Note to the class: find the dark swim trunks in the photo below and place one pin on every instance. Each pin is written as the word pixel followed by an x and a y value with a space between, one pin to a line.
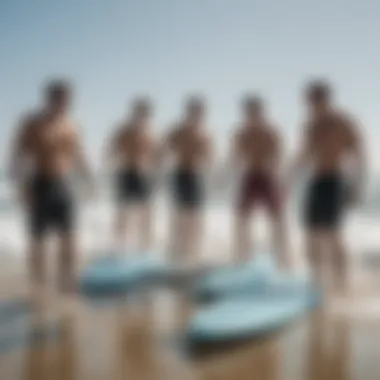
pixel 133 185
pixel 325 201
pixel 188 188
pixel 52 205
pixel 259 188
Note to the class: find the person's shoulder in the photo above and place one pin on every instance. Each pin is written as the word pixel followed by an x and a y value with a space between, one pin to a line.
pixel 274 133
pixel 344 117
pixel 32 117
pixel 273 128
pixel 238 131
pixel 309 127
pixel 350 127
pixel 122 129
pixel 29 121
pixel 174 131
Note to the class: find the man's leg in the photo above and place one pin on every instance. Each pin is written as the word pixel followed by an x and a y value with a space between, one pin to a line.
pixel 175 235
pixel 187 222
pixel 65 223
pixel 280 241
pixel 340 262
pixel 37 270
pixel 67 262
pixel 193 233
pixel 67 271
pixel 38 223
pixel 146 227
pixel 242 240
pixel 314 249
pixel 128 190
pixel 121 225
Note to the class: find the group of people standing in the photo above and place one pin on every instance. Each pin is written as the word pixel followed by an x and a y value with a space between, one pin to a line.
pixel 48 149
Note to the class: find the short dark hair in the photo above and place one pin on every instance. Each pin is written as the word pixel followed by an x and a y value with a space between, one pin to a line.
pixel 142 102
pixel 195 101
pixel 252 101
pixel 57 87
pixel 318 89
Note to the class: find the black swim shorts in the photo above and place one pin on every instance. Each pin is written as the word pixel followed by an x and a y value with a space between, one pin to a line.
pixel 188 188
pixel 52 205
pixel 325 201
pixel 133 185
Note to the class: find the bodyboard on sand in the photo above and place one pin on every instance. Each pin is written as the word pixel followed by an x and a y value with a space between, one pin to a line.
pixel 249 316
pixel 116 275
pixel 235 278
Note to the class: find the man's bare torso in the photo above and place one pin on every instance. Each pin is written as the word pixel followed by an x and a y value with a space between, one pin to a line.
pixel 135 147
pixel 257 146
pixel 51 144
pixel 190 147
pixel 330 140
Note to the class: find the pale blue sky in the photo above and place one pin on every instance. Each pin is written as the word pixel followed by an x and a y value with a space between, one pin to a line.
pixel 113 49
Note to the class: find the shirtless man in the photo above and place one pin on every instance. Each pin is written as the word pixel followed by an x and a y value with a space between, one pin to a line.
pixel 133 152
pixel 331 140
pixel 190 146
pixel 257 147
pixel 47 149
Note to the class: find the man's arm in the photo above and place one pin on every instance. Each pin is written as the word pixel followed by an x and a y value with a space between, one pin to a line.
pixel 277 153
pixel 18 153
pixel 359 159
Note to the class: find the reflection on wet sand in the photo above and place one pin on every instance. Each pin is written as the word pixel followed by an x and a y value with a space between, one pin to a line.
pixel 142 352
pixel 127 341
pixel 52 359
pixel 329 348
pixel 253 360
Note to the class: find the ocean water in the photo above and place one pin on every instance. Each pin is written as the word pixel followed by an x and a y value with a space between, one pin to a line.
pixel 95 219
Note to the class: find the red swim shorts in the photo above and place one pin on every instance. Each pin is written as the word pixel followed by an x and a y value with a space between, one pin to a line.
pixel 259 188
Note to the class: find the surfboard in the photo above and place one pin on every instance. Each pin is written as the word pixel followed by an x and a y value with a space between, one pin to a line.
pixel 248 316
pixel 115 275
pixel 235 278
